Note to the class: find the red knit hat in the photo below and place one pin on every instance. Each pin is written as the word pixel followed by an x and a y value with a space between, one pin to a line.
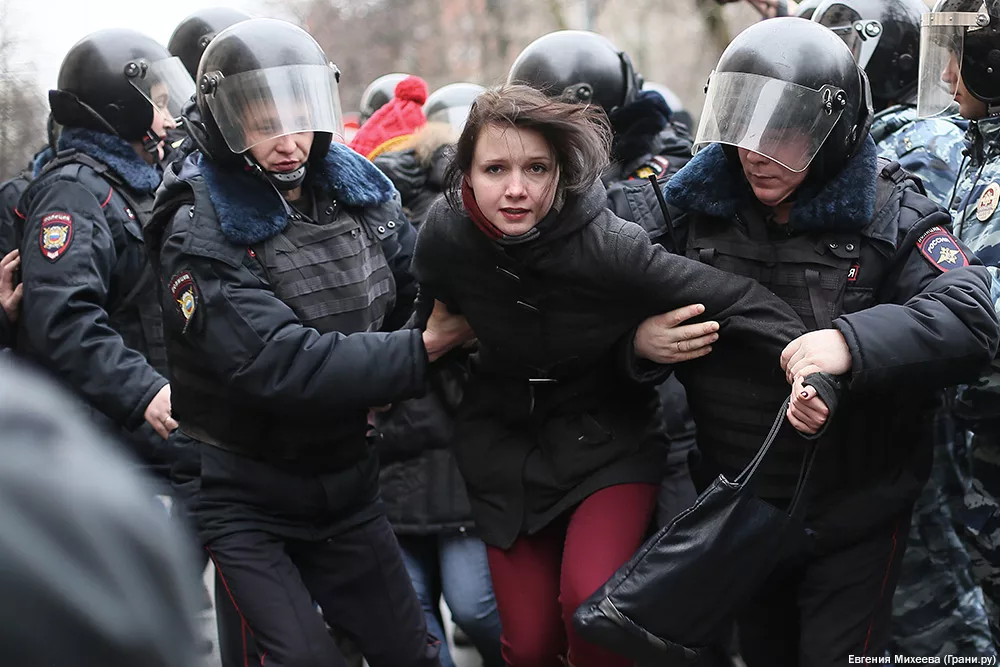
pixel 393 124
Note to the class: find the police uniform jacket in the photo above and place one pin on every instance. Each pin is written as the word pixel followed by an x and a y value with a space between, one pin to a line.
pixel 282 331
pixel 90 313
pixel 549 415
pixel 867 254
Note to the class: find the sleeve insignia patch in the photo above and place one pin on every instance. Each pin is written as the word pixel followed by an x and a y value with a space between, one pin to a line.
pixel 941 249
pixel 56 235
pixel 185 294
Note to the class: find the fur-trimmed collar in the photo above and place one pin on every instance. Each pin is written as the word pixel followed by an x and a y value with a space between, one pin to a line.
pixel 710 184
pixel 42 158
pixel 251 211
pixel 116 153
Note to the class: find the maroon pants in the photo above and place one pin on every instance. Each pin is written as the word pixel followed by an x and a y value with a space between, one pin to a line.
pixel 541 580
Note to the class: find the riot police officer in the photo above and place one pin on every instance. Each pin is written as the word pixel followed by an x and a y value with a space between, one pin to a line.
pixel 284 257
pixel 936 607
pixel 90 312
pixel 787 188
pixel 582 66
pixel 188 41
pixel 378 92
pixel 884 37
pixel 960 40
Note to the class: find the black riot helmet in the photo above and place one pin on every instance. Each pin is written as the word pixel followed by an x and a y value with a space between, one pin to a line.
pixel 192 35
pixel 113 81
pixel 260 79
pixel 884 36
pixel 806 9
pixel 791 91
pixel 959 36
pixel 451 104
pixel 378 93
pixel 578 66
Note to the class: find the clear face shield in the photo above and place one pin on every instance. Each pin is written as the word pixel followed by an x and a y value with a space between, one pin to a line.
pixel 253 107
pixel 782 121
pixel 942 41
pixel 860 35
pixel 165 83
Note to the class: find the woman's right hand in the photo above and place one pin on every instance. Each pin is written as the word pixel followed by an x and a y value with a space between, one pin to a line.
pixel 664 339
pixel 445 331
pixel 10 293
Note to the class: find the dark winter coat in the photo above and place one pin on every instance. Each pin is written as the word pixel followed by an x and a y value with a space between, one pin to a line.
pixel 549 416
pixel 419 481
pixel 90 314
pixel 911 302
pixel 418 171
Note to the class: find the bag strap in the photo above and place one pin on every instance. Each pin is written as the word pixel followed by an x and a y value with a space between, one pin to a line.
pixel 745 479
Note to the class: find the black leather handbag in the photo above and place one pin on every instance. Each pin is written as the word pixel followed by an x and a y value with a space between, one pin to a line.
pixel 679 591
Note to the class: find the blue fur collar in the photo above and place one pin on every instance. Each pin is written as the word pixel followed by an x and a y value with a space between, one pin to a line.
pixel 710 184
pixel 251 211
pixel 42 158
pixel 116 153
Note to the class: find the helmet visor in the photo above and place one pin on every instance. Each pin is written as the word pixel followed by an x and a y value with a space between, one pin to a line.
pixel 860 35
pixel 256 106
pixel 942 41
pixel 166 84
pixel 783 121
pixel 454 116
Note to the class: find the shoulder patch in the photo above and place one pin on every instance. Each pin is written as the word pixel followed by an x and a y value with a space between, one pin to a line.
pixel 185 294
pixel 56 235
pixel 988 201
pixel 941 249
pixel 655 167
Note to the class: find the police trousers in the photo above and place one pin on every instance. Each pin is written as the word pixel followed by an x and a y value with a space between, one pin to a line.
pixel 356 579
pixel 821 609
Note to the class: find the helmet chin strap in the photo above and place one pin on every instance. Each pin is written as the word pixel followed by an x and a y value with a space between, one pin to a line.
pixel 151 142
pixel 282 181
pixel 287 180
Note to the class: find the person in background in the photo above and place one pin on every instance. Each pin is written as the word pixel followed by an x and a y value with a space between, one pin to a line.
pixel 960 40
pixel 937 609
pixel 395 122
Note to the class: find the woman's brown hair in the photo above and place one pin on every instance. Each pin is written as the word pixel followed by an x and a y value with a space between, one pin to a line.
pixel 579 136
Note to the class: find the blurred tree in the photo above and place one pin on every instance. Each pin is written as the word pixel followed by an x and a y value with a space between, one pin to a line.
pixel 23 109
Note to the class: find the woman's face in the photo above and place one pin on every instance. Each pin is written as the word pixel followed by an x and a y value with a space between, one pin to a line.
pixel 514 177
pixel 283 154
pixel 771 182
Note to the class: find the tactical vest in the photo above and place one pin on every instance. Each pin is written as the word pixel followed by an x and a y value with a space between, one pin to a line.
pixel 734 397
pixel 335 277
pixel 134 306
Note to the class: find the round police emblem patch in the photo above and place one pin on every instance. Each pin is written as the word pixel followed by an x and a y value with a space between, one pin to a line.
pixel 988 201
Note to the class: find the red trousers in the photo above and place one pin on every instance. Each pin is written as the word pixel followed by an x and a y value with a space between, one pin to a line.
pixel 541 580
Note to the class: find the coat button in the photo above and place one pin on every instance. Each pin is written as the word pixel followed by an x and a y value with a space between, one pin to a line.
pixel 354 233
pixel 391 224
pixel 834 246
pixel 329 210
pixel 381 229
pixel 850 247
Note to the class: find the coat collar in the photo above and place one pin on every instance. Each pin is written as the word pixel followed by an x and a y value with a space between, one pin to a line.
pixel 116 153
pixel 712 185
pixel 250 210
